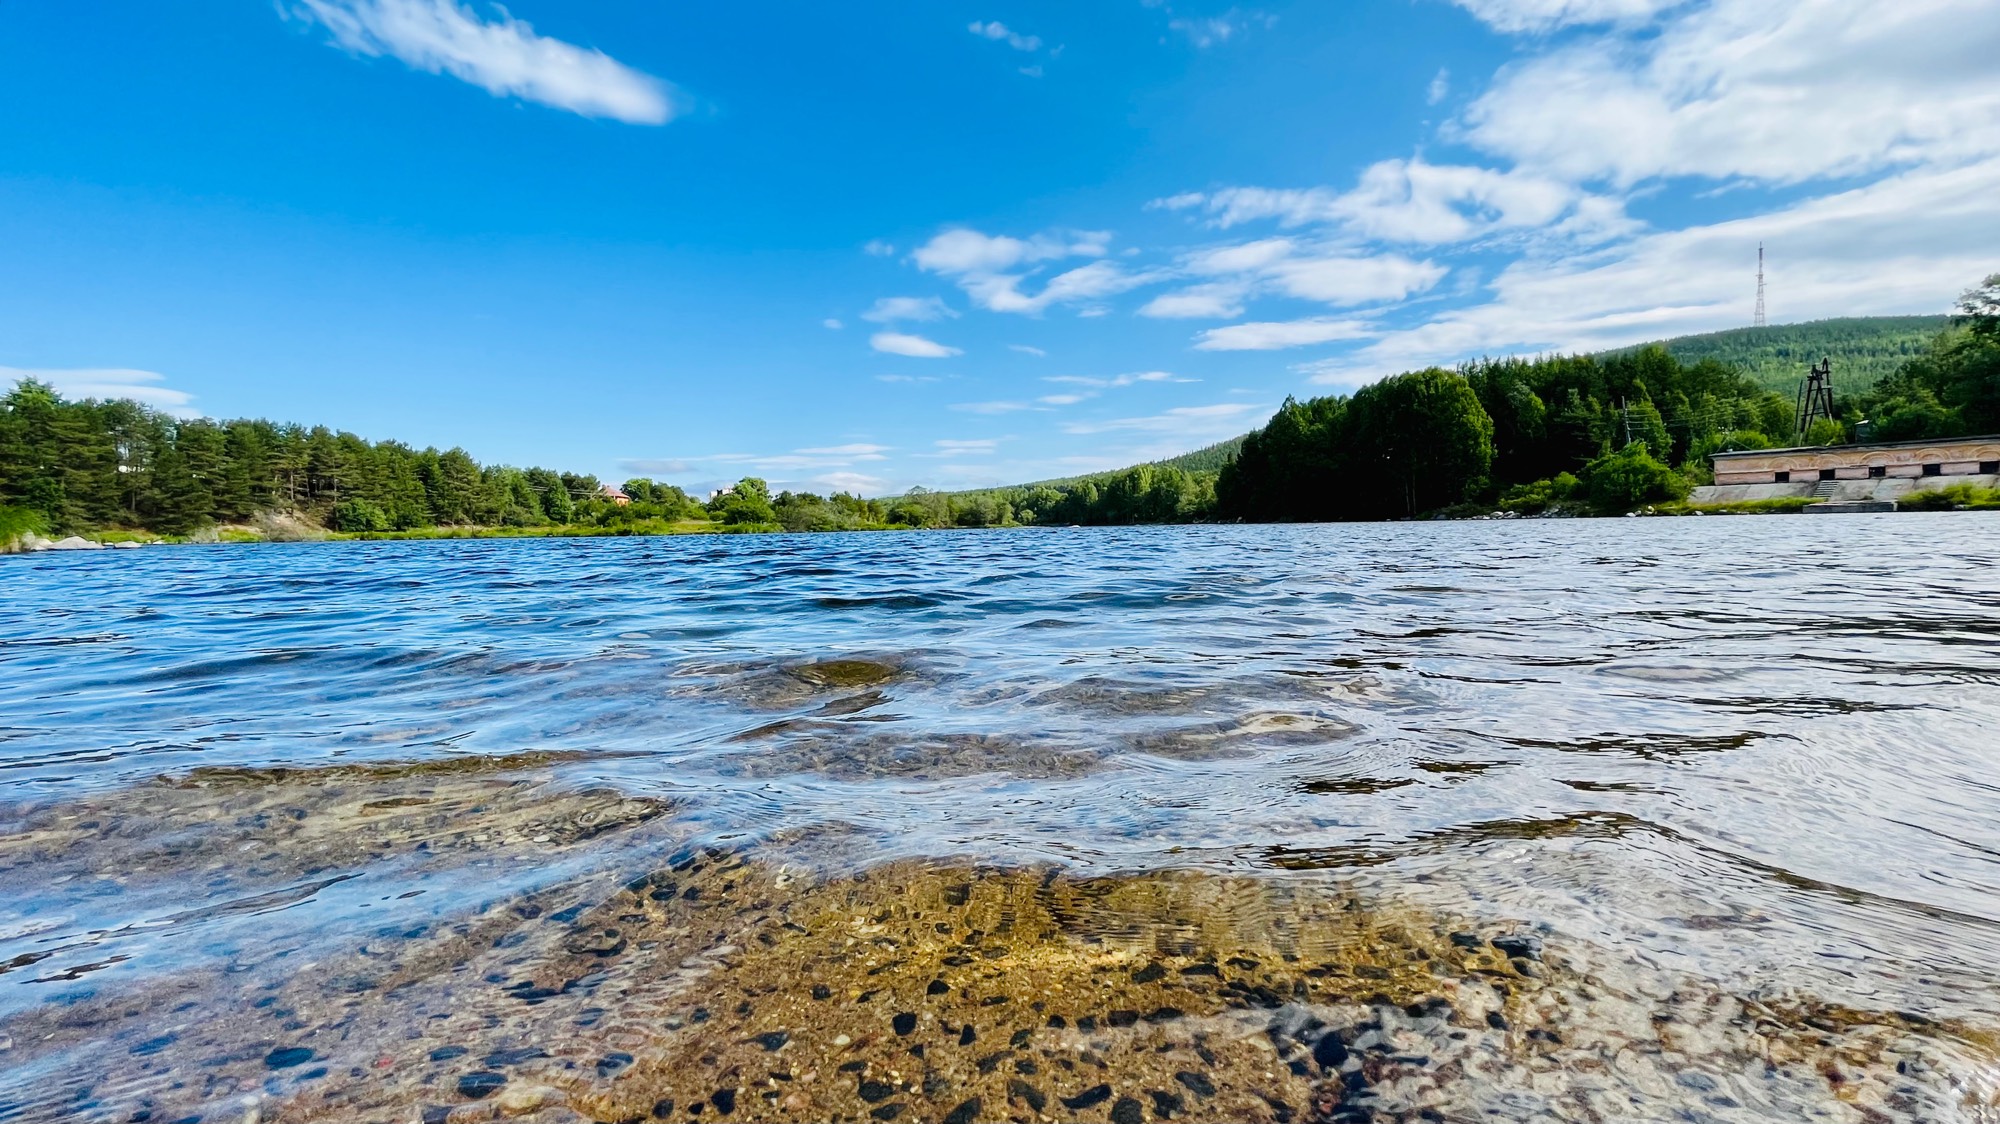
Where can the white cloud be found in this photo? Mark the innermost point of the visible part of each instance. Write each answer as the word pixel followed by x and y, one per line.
pixel 503 56
pixel 1117 380
pixel 1220 419
pixel 1026 350
pixel 992 407
pixel 1516 16
pixel 1771 92
pixel 888 310
pixel 1273 336
pixel 1244 257
pixel 916 347
pixel 878 248
pixel 1061 399
pixel 992 269
pixel 832 324
pixel 968 447
pixel 653 466
pixel 109 384
pixel 1215 301
pixel 961 250
pixel 1439 87
pixel 906 378
pixel 1417 202
pixel 999 33
pixel 852 482
pixel 859 451
pixel 1897 246
pixel 1034 71
pixel 1205 32
pixel 1355 280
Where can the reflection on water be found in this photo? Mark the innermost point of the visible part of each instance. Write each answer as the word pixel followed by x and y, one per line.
pixel 1589 820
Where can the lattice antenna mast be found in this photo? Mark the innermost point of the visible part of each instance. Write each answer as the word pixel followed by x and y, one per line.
pixel 1758 321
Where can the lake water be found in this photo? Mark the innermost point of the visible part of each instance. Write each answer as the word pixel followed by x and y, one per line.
pixel 1614 819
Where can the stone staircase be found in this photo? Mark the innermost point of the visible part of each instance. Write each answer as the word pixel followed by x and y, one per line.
pixel 1826 490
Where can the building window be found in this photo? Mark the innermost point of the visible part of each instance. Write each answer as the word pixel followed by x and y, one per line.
pixel 1826 474
pixel 1877 471
pixel 1784 478
pixel 1989 468
pixel 1933 470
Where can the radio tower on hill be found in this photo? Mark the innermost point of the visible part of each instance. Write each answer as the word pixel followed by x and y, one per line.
pixel 1758 320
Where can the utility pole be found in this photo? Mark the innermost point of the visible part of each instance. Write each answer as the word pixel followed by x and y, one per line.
pixel 1758 320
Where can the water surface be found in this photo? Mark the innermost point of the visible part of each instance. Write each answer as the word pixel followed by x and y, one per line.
pixel 1732 779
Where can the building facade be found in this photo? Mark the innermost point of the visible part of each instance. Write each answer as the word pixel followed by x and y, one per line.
pixel 1958 456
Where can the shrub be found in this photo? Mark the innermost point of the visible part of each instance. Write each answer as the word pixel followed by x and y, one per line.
pixel 17 523
pixel 1952 497
pixel 1629 478
pixel 360 516
pixel 1535 498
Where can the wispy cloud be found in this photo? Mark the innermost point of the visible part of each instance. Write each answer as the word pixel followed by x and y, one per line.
pixel 852 482
pixel 108 383
pixel 857 451
pixel 1190 421
pixel 832 324
pixel 1000 33
pixel 876 248
pixel 888 310
pixel 1515 16
pixel 992 407
pixel 916 347
pixel 1276 335
pixel 1027 350
pixel 994 269
pixel 655 466
pixel 1439 87
pixel 1115 381
pixel 906 378
pixel 503 56
pixel 968 447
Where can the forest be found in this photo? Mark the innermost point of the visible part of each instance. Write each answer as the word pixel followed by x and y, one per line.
pixel 1582 433
pixel 1589 434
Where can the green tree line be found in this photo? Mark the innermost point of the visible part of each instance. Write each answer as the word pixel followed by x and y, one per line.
pixel 1608 432
pixel 1604 432
pixel 87 465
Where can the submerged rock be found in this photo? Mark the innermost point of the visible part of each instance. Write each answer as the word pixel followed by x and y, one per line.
pixel 776 994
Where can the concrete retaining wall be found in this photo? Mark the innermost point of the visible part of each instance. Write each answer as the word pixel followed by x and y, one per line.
pixel 1890 488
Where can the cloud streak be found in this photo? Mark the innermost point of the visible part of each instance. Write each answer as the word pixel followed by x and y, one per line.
pixel 108 384
pixel 503 56
pixel 915 347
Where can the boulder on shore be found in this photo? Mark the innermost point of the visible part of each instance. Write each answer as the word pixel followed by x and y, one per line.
pixel 74 542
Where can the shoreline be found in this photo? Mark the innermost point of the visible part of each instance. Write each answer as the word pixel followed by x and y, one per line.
pixel 238 535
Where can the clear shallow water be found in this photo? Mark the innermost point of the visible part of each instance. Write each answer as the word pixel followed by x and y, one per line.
pixel 1757 753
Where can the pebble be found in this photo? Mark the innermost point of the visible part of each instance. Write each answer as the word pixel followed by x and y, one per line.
pixel 525 1099
pixel 288 1056
pixel 475 1086
pixel 1096 1094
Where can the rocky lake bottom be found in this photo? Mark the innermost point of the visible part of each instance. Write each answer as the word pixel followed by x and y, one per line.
pixel 1212 854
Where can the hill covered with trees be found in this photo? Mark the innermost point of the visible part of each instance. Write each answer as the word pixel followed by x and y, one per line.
pixel 1600 432
pixel 1864 349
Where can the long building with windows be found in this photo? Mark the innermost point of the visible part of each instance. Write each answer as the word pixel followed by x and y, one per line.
pixel 1853 473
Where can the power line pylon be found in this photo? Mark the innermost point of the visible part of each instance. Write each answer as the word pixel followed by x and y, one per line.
pixel 1758 320
pixel 1816 397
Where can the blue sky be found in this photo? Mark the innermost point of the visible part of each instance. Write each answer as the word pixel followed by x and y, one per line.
pixel 868 246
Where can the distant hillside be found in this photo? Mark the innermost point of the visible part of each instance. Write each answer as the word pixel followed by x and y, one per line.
pixel 1863 349
pixel 1209 458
